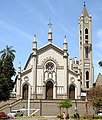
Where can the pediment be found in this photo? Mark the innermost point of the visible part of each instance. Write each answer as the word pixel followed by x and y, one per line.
pixel 48 47
pixel 45 49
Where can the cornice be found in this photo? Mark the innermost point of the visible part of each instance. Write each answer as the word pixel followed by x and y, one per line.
pixel 26 72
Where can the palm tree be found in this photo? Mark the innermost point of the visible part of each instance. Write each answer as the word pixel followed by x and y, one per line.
pixel 100 63
pixel 7 52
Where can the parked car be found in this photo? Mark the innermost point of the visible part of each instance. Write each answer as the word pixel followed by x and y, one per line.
pixel 14 113
pixel 99 113
pixel 3 115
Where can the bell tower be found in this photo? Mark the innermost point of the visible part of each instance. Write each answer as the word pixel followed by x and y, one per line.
pixel 85 49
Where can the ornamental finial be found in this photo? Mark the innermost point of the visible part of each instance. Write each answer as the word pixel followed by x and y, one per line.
pixel 50 26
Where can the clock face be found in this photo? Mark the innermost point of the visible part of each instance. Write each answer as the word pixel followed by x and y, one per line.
pixel 49 66
pixel 86 20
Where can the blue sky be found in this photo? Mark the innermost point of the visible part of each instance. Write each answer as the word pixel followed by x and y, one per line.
pixel 21 19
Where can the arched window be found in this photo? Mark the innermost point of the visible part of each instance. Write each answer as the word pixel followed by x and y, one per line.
pixel 86 33
pixel 49 66
pixel 87 84
pixel 80 32
pixel 87 75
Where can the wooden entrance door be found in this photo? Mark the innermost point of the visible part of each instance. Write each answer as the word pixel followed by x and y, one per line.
pixel 72 92
pixel 49 90
pixel 25 91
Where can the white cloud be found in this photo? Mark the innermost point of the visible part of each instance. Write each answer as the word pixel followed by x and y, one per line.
pixel 13 28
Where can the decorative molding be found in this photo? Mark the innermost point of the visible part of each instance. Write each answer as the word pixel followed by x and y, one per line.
pixel 26 72
pixel 72 79
pixel 39 67
pixel 49 59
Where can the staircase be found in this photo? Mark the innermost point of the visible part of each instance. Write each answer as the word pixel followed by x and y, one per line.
pixel 41 107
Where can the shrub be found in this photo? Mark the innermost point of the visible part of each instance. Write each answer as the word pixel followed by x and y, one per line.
pixel 98 117
pixel 61 116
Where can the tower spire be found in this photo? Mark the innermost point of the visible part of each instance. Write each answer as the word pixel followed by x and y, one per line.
pixel 84 12
pixel 50 33
pixel 85 49
pixel 34 42
pixel 19 67
pixel 65 49
pixel 50 26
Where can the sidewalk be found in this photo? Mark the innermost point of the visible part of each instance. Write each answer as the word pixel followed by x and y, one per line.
pixel 50 118
pixel 42 118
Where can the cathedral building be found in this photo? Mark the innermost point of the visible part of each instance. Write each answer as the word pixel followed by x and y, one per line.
pixel 49 73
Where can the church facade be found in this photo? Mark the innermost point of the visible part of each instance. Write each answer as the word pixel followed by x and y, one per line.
pixel 49 73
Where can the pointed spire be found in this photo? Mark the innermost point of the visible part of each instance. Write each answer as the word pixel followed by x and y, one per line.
pixel 65 40
pixel 65 44
pixel 34 37
pixel 50 26
pixel 50 33
pixel 34 42
pixel 84 12
pixel 84 3
pixel 65 49
pixel 19 67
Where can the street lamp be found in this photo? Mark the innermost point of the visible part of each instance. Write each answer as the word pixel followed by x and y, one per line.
pixel 86 106
pixel 76 108
pixel 26 97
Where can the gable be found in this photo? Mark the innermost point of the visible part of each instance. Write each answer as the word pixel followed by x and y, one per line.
pixel 48 47
pixel 28 63
pixel 50 52
pixel 99 80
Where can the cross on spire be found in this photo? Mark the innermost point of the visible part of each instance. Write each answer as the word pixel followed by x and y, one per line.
pixel 84 3
pixel 50 25
pixel 50 33
pixel 84 12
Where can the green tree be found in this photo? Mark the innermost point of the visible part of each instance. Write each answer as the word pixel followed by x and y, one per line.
pixel 7 71
pixel 66 103
pixel 95 97
pixel 97 104
pixel 4 89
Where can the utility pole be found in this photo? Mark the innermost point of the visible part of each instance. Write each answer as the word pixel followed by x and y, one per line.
pixel 29 102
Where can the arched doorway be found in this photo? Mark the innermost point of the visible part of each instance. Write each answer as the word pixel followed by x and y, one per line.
pixel 72 92
pixel 49 90
pixel 25 92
